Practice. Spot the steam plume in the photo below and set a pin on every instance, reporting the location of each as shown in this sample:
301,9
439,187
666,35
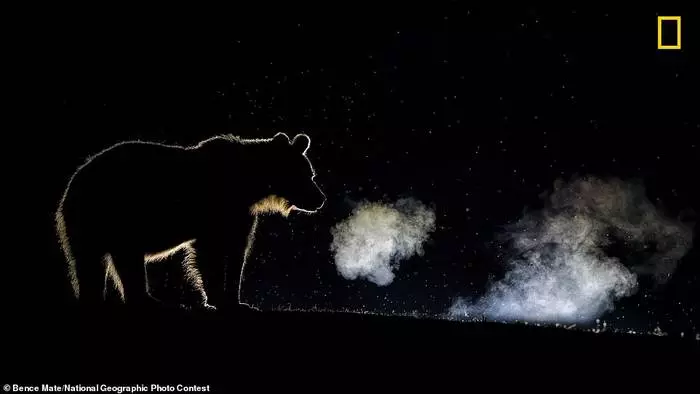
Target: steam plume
561,267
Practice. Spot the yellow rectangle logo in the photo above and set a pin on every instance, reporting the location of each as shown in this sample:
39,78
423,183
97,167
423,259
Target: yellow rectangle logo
660,44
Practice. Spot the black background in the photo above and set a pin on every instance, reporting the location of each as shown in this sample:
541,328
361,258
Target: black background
396,106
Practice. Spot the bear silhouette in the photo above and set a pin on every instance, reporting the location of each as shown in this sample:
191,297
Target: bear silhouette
142,202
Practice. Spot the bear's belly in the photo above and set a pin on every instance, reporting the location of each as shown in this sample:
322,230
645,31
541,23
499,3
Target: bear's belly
159,240
163,227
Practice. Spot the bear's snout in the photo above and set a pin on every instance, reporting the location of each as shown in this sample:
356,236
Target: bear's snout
311,201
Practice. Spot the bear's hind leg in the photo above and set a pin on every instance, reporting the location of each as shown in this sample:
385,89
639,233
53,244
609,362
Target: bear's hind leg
113,288
211,260
130,265
194,278
90,271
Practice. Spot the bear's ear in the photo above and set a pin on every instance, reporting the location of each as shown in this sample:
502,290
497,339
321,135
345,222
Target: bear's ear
301,142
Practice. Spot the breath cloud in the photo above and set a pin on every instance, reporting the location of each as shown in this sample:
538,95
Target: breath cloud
562,268
376,237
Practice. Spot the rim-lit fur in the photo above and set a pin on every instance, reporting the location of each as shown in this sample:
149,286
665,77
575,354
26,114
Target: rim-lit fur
272,204
269,205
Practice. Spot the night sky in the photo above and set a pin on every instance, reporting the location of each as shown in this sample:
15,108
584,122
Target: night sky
475,112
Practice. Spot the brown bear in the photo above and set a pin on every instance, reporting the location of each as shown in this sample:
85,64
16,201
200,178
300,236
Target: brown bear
140,202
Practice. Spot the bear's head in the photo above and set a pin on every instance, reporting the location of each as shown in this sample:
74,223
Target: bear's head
290,185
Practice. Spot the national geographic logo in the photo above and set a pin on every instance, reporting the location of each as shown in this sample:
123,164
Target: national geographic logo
668,33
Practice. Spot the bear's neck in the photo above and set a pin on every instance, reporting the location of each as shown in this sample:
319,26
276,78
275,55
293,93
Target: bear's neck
230,173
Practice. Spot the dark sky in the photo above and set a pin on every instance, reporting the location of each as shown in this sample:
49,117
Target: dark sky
455,106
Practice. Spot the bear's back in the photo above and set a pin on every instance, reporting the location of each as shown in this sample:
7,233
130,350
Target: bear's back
130,172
